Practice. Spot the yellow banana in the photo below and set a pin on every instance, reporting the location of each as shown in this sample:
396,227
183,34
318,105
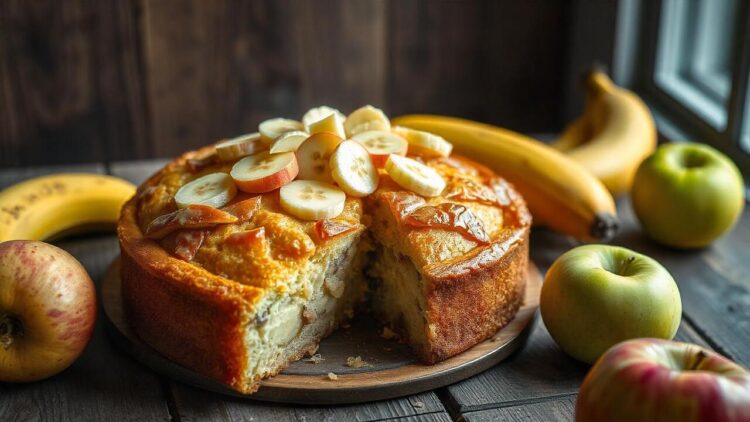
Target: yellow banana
621,134
50,206
574,135
559,192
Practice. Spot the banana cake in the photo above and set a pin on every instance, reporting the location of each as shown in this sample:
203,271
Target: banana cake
239,257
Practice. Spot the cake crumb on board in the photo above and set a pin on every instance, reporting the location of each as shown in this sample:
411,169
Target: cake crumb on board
332,376
316,359
356,362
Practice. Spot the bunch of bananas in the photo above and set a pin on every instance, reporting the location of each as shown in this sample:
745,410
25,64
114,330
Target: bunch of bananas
613,135
52,206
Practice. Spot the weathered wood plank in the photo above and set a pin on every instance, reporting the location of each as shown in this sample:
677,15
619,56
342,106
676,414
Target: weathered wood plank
194,404
71,83
103,383
267,59
713,283
482,60
553,410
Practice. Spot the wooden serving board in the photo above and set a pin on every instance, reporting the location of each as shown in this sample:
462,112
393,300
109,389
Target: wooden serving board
394,372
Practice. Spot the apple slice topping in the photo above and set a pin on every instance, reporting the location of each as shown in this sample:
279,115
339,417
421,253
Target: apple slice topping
264,172
449,216
326,229
246,238
414,176
353,170
288,142
423,143
244,210
331,123
215,190
314,156
380,144
232,149
273,128
187,243
194,216
366,118
317,114
312,200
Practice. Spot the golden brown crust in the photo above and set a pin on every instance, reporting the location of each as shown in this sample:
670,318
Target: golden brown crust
198,318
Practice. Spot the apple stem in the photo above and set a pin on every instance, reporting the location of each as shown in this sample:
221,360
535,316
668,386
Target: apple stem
624,268
10,328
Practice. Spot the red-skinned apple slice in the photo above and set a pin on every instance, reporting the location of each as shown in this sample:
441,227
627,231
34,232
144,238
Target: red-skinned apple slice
264,172
381,144
314,155
660,380
195,216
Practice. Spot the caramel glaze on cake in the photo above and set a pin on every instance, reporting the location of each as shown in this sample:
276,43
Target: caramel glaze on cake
445,272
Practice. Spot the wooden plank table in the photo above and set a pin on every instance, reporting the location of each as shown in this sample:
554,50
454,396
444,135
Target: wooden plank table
538,383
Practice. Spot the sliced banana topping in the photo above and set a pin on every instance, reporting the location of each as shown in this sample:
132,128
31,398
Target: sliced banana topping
353,170
312,200
414,176
381,144
288,142
215,190
332,123
273,128
232,149
319,113
424,143
366,118
264,172
314,156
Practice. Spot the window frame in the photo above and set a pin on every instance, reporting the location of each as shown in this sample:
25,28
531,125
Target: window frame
681,113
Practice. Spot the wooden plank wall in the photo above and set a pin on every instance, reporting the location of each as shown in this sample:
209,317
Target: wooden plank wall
84,81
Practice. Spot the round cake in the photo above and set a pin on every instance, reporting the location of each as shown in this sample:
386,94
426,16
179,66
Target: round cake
238,258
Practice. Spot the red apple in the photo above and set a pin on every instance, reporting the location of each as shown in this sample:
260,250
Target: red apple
47,310
660,380
264,172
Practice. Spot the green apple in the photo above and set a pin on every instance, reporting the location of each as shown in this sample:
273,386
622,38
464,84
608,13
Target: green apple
595,296
687,195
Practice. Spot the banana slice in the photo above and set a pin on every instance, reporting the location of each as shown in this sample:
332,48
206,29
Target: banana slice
381,144
366,118
264,172
288,142
332,123
232,149
312,200
424,143
314,155
214,190
353,170
368,126
273,128
415,176
319,113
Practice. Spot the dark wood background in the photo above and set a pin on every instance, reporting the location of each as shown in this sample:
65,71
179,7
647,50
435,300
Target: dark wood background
85,81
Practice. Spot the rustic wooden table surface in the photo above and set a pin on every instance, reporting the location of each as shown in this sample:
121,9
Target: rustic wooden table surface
538,383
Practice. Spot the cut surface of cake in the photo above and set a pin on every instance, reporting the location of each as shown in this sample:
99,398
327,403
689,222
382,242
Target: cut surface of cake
235,279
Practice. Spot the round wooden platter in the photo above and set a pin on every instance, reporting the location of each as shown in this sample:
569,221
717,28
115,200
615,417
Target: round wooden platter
393,370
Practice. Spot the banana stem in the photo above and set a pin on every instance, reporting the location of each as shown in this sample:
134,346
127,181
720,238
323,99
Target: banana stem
10,329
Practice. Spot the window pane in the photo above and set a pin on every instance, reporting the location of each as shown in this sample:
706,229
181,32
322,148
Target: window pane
694,55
